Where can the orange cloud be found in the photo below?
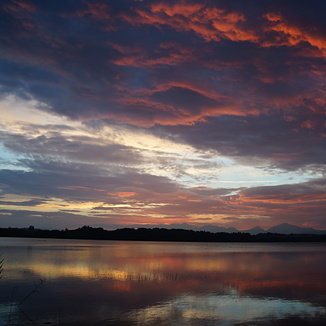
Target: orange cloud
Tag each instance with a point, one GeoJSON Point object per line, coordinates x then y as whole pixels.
{"type": "Point", "coordinates": [181, 8]}
{"type": "Point", "coordinates": [98, 11]}
{"type": "Point", "coordinates": [214, 24]}
{"type": "Point", "coordinates": [291, 35]}
{"type": "Point", "coordinates": [174, 115]}
{"type": "Point", "coordinates": [211, 24]}
{"type": "Point", "coordinates": [171, 54]}
{"type": "Point", "coordinates": [174, 118]}
{"type": "Point", "coordinates": [199, 88]}
{"type": "Point", "coordinates": [123, 194]}
{"type": "Point", "coordinates": [308, 124]}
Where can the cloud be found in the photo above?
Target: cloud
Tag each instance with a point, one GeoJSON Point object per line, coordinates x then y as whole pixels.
{"type": "Point", "coordinates": [75, 148]}
{"type": "Point", "coordinates": [115, 61]}
{"type": "Point", "coordinates": [29, 203]}
{"type": "Point", "coordinates": [208, 23]}
{"type": "Point", "coordinates": [142, 103]}
{"type": "Point", "coordinates": [133, 198]}
{"type": "Point", "coordinates": [271, 138]}
{"type": "Point", "coordinates": [286, 33]}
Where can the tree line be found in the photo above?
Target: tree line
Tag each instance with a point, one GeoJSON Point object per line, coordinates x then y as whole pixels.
{"type": "Point", "coordinates": [157, 234]}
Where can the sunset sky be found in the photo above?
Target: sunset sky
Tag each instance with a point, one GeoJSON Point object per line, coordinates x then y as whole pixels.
{"type": "Point", "coordinates": [135, 112]}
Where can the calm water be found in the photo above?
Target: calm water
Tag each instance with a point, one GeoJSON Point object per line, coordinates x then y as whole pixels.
{"type": "Point", "coordinates": [76, 282]}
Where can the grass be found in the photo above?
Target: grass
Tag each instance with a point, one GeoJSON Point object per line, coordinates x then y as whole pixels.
{"type": "Point", "coordinates": [37, 286]}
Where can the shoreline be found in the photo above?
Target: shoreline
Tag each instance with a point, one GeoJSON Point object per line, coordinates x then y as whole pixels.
{"type": "Point", "coordinates": [157, 234]}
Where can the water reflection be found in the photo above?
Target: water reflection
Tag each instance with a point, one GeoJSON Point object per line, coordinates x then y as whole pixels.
{"type": "Point", "coordinates": [134, 283]}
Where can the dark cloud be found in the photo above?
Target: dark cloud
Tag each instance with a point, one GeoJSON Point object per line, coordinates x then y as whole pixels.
{"type": "Point", "coordinates": [57, 220]}
{"type": "Point", "coordinates": [241, 79]}
{"type": "Point", "coordinates": [308, 191]}
{"type": "Point", "coordinates": [29, 203]}
{"type": "Point", "coordinates": [86, 65]}
{"type": "Point", "coordinates": [79, 181]}
{"type": "Point", "coordinates": [284, 143]}
{"type": "Point", "coordinates": [76, 148]}
{"type": "Point", "coordinates": [130, 198]}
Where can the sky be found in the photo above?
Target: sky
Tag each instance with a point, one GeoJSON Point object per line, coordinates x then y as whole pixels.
{"type": "Point", "coordinates": [129, 113]}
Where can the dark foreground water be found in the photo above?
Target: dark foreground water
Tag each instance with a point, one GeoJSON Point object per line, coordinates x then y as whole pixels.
{"type": "Point", "coordinates": [76, 282]}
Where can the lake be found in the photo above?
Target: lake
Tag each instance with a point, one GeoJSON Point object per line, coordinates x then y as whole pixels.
{"type": "Point", "coordinates": [86, 282]}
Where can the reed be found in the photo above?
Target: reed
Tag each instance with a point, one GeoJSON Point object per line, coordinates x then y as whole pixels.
{"type": "Point", "coordinates": [1, 266]}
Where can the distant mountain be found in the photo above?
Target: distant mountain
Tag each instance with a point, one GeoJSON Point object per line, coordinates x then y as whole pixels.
{"type": "Point", "coordinates": [255, 230]}
{"type": "Point", "coordinates": [183, 226]}
{"type": "Point", "coordinates": [283, 228]}
{"type": "Point", "coordinates": [215, 229]}
{"type": "Point", "coordinates": [232, 230]}
{"type": "Point", "coordinates": [286, 228]}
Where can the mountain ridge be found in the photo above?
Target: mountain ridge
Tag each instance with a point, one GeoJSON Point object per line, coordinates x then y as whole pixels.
{"type": "Point", "coordinates": [283, 228]}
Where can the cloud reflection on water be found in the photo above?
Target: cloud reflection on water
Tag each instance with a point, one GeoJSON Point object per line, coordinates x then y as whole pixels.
{"type": "Point", "coordinates": [132, 282]}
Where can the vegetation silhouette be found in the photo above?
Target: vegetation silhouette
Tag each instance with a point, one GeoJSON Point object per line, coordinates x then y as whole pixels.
{"type": "Point", "coordinates": [1, 266]}
{"type": "Point", "coordinates": [158, 234]}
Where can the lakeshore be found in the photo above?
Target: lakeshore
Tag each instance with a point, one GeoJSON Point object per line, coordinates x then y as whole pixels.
{"type": "Point", "coordinates": [158, 234]}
